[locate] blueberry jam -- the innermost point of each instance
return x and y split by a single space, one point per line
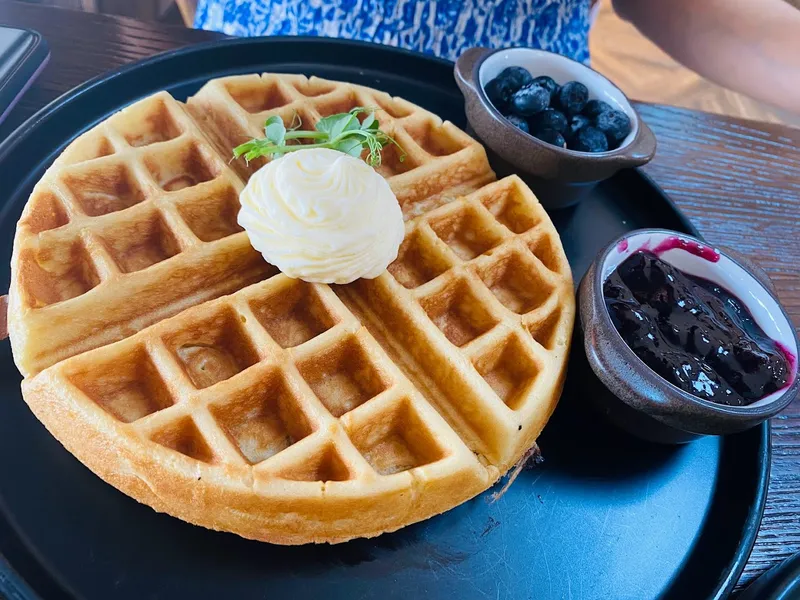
692 332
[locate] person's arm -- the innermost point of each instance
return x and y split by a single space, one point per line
750 46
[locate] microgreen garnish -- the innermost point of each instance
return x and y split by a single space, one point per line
343 132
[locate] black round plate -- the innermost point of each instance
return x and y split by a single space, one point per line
605 516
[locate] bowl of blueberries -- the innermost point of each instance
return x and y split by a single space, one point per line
559 124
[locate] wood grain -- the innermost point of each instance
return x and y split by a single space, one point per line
738 181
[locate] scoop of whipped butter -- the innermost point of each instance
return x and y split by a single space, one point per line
322 216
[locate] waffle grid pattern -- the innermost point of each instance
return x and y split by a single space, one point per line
144 187
215 386
485 272
164 353
86 191
438 154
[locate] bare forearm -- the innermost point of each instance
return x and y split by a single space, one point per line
751 46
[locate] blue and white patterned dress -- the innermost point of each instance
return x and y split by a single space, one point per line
440 27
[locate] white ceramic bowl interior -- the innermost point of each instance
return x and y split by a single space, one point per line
726 273
562 69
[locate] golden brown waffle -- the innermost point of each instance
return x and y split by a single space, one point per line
163 352
441 160
479 307
133 223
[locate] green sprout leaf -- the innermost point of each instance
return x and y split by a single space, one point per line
343 132
346 123
326 124
275 130
351 146
370 123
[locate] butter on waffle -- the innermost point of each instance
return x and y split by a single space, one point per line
164 353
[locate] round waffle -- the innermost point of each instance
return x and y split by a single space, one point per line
165 354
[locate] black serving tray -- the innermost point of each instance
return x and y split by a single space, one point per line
606 516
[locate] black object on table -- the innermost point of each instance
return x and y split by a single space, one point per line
605 516
23 54
779 583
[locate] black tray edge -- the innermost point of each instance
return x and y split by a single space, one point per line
12 586
753 523
15 587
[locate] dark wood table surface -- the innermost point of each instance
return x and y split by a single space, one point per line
739 182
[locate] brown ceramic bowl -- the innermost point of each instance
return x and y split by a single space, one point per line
642 402
559 177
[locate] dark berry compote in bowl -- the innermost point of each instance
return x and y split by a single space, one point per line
690 340
557 123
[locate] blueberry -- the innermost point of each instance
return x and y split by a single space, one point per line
595 107
576 123
549 118
589 139
516 77
615 124
547 83
530 100
499 93
572 97
518 122
551 137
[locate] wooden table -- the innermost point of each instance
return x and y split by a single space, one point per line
739 181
